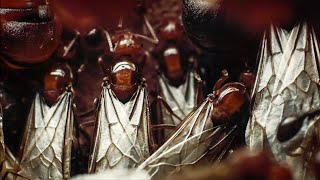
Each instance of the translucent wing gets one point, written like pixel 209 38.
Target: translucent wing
pixel 175 103
pixel 182 100
pixel 120 174
pixel 122 132
pixel 269 60
pixel 8 162
pixel 299 138
pixel 2 147
pixel 287 83
pixel 9 166
pixel 46 147
pixel 195 137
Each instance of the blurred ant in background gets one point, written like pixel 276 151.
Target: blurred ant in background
pixel 179 87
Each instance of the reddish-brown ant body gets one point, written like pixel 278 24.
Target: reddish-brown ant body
pixel 56 80
pixel 29 33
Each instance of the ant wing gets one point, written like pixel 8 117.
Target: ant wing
pixel 47 142
pixel 222 142
pixel 175 103
pixel 299 139
pixel 287 80
pixel 10 166
pixel 181 100
pixel 121 132
pixel 287 83
pixel 8 163
pixel 2 146
pixel 190 143
pixel 270 56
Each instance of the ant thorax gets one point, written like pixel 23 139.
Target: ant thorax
pixel 228 101
pixel 55 82
pixel 172 66
pixel 124 80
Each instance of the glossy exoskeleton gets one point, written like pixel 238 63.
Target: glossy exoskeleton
pixel 172 52
pixel 78 48
pixel 29 33
pixel 125 44
pixel 220 26
pixel 85 16
pixel 58 80
pixel 90 41
pixel 248 78
pixel 124 80
pixel 179 86
pixel 224 26
pixel 287 83
pixel 228 99
pixel 122 128
pixel 208 132
pixel 45 151
pixel 22 4
pixel 121 40
pixel 55 81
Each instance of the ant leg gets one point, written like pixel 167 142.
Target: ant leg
pixel 111 48
pixel 163 126
pixel 103 65
pixel 70 45
pixel 160 103
pixel 92 111
pixel 86 124
pixel 85 56
pixel 167 107
pixel 154 38
pixel 199 88
pixel 199 82
pixel 219 83
pixel 153 145
pixel 151 29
